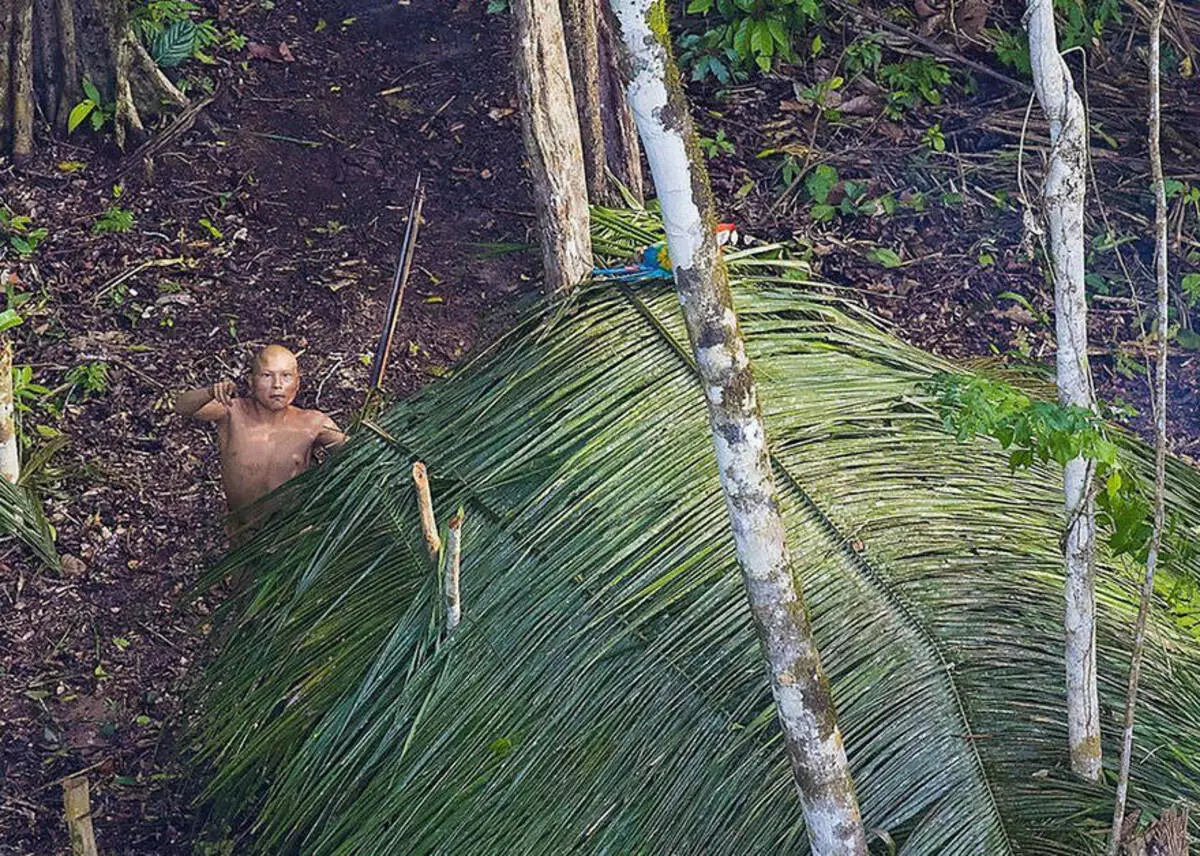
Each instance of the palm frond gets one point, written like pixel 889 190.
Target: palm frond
pixel 21 517
pixel 605 691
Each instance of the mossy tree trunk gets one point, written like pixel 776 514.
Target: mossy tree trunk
pixel 47 48
pixel 804 705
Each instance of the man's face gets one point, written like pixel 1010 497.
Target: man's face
pixel 275 379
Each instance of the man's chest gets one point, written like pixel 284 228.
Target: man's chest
pixel 268 446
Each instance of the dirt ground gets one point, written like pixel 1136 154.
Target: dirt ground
pixel 283 225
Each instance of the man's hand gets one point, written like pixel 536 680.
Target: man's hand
pixel 223 392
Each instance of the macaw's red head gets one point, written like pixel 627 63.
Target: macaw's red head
pixel 727 234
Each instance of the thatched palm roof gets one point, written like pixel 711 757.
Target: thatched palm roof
pixel 605 693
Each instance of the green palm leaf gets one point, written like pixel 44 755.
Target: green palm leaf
pixel 605 693
pixel 21 517
pixel 174 43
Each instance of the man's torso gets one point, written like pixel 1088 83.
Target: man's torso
pixel 259 456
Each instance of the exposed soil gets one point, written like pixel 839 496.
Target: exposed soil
pixel 284 225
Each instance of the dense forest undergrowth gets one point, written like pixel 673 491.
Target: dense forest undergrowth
pixel 891 163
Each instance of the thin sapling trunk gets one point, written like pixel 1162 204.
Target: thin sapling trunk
pixel 10 464
pixel 450 578
pixel 1159 400
pixel 1063 197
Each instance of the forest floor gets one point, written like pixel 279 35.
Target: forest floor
pixel 284 225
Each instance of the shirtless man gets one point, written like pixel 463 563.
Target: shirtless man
pixel 264 440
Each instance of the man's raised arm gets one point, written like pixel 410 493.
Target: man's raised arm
pixel 208 403
pixel 330 436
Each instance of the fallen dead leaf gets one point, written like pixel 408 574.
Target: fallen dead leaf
pixel 498 113
pixel 271 53
pixel 859 105
pixel 73 566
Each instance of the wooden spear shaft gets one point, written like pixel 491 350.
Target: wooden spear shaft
pixel 384 349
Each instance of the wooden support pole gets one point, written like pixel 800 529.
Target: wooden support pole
pixel 425 504
pixel 77 803
pixel 450 579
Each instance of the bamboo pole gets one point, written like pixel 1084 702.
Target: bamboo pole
pixel 77 802
pixel 10 464
pixel 450 580
pixel 425 504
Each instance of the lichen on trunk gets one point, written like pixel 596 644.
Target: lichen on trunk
pixel 804 704
pixel 1063 196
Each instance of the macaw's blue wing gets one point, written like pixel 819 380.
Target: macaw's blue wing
pixel 631 273
pixel 653 264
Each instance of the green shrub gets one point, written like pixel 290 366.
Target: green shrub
pixel 744 34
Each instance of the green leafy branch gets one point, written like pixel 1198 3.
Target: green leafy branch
pixel 1037 431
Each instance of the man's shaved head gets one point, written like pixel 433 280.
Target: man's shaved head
pixel 275 354
pixel 274 377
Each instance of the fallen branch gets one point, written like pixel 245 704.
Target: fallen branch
pixel 181 124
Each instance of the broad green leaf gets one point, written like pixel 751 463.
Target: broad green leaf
pixel 79 112
pixel 174 44
pixel 820 182
pixel 885 256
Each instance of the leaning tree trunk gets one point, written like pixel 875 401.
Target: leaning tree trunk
pixel 1064 193
pixel 803 702
pixel 50 46
pixel 551 132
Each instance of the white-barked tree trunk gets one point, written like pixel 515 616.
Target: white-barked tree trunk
pixel 802 696
pixel 1063 198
